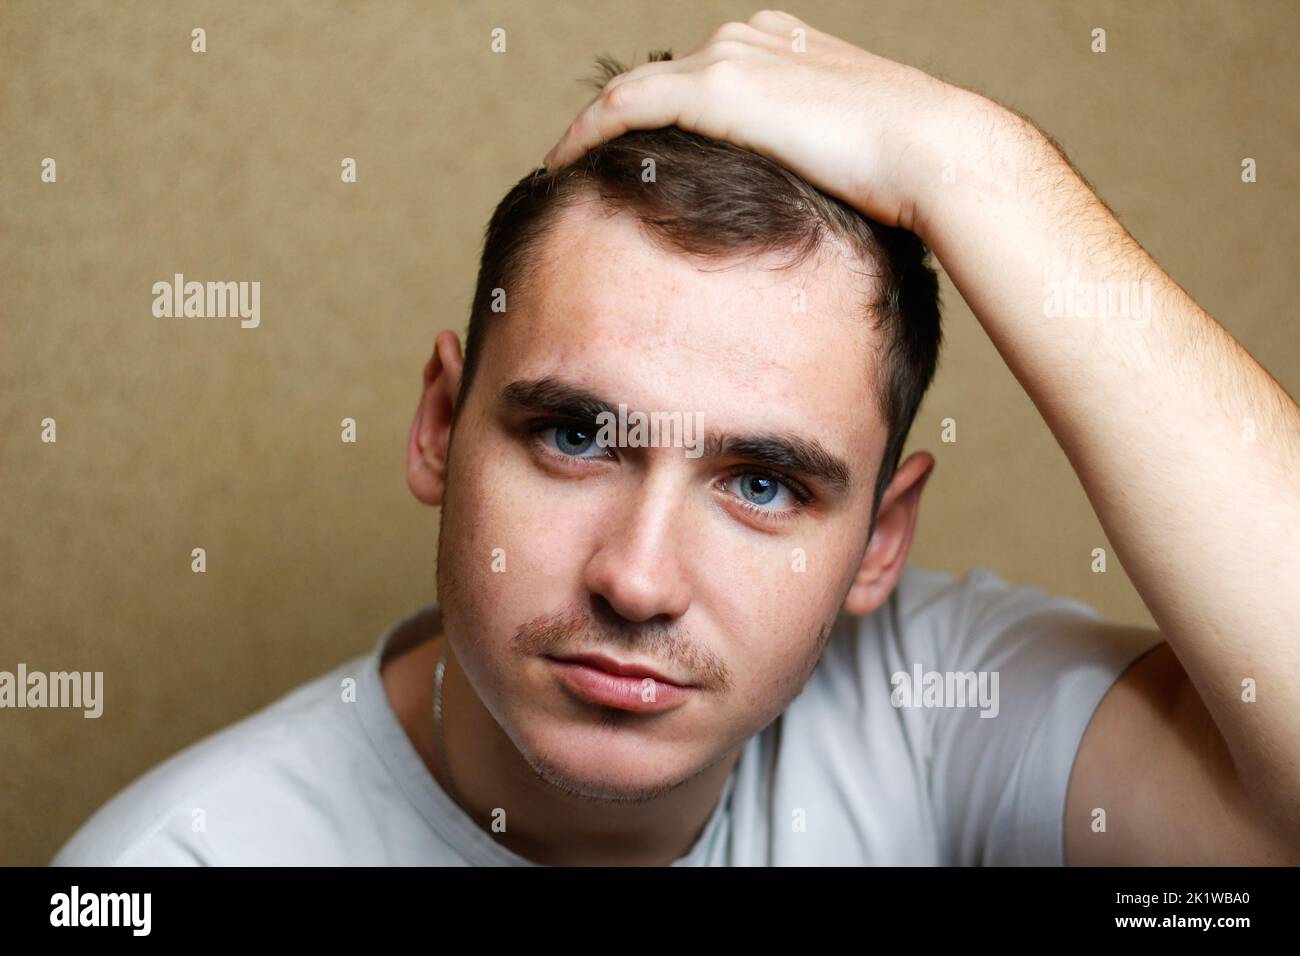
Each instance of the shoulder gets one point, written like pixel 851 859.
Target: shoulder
pixel 929 605
pixel 944 621
pixel 977 596
pixel 224 790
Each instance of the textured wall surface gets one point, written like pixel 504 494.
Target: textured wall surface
pixel 225 166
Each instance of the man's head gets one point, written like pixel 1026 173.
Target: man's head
pixel 671 273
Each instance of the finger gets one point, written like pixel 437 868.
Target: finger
pixel 651 68
pixel 740 32
pixel 711 50
pixel 649 102
pixel 646 69
pixel 729 40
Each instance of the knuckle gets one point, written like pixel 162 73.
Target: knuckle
pixel 617 96
pixel 720 73
pixel 728 31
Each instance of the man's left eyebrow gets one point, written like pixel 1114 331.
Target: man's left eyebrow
pixel 793 453
pixel 557 397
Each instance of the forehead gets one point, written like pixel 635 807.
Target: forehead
pixel 753 347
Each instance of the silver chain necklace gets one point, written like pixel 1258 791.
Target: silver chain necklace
pixel 437 723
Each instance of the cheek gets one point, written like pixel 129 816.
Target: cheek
pixel 781 667
pixel 511 537
pixel 779 620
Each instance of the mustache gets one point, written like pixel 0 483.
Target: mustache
pixel 574 630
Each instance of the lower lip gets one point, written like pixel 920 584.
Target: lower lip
pixel 619 690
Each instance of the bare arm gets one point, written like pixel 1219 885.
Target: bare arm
pixel 1187 448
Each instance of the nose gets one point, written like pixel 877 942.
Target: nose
pixel 637 565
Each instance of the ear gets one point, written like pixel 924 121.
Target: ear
pixel 426 447
pixel 892 539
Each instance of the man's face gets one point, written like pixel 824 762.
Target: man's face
pixel 710 569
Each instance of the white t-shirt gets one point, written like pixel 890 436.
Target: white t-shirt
pixel 843 776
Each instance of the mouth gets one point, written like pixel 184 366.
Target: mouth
pixel 602 680
pixel 610 666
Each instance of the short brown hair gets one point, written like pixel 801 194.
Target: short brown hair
pixel 713 199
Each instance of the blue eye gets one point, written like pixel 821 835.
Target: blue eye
pixel 576 440
pixel 757 488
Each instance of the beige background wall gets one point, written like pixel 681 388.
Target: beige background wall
pixel 225 165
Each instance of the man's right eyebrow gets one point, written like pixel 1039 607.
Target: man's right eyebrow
pixel 556 397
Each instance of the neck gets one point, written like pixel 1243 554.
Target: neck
pixel 543 824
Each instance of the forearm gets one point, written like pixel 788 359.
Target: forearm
pixel 1188 450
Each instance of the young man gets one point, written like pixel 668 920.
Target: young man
pixel 708 650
